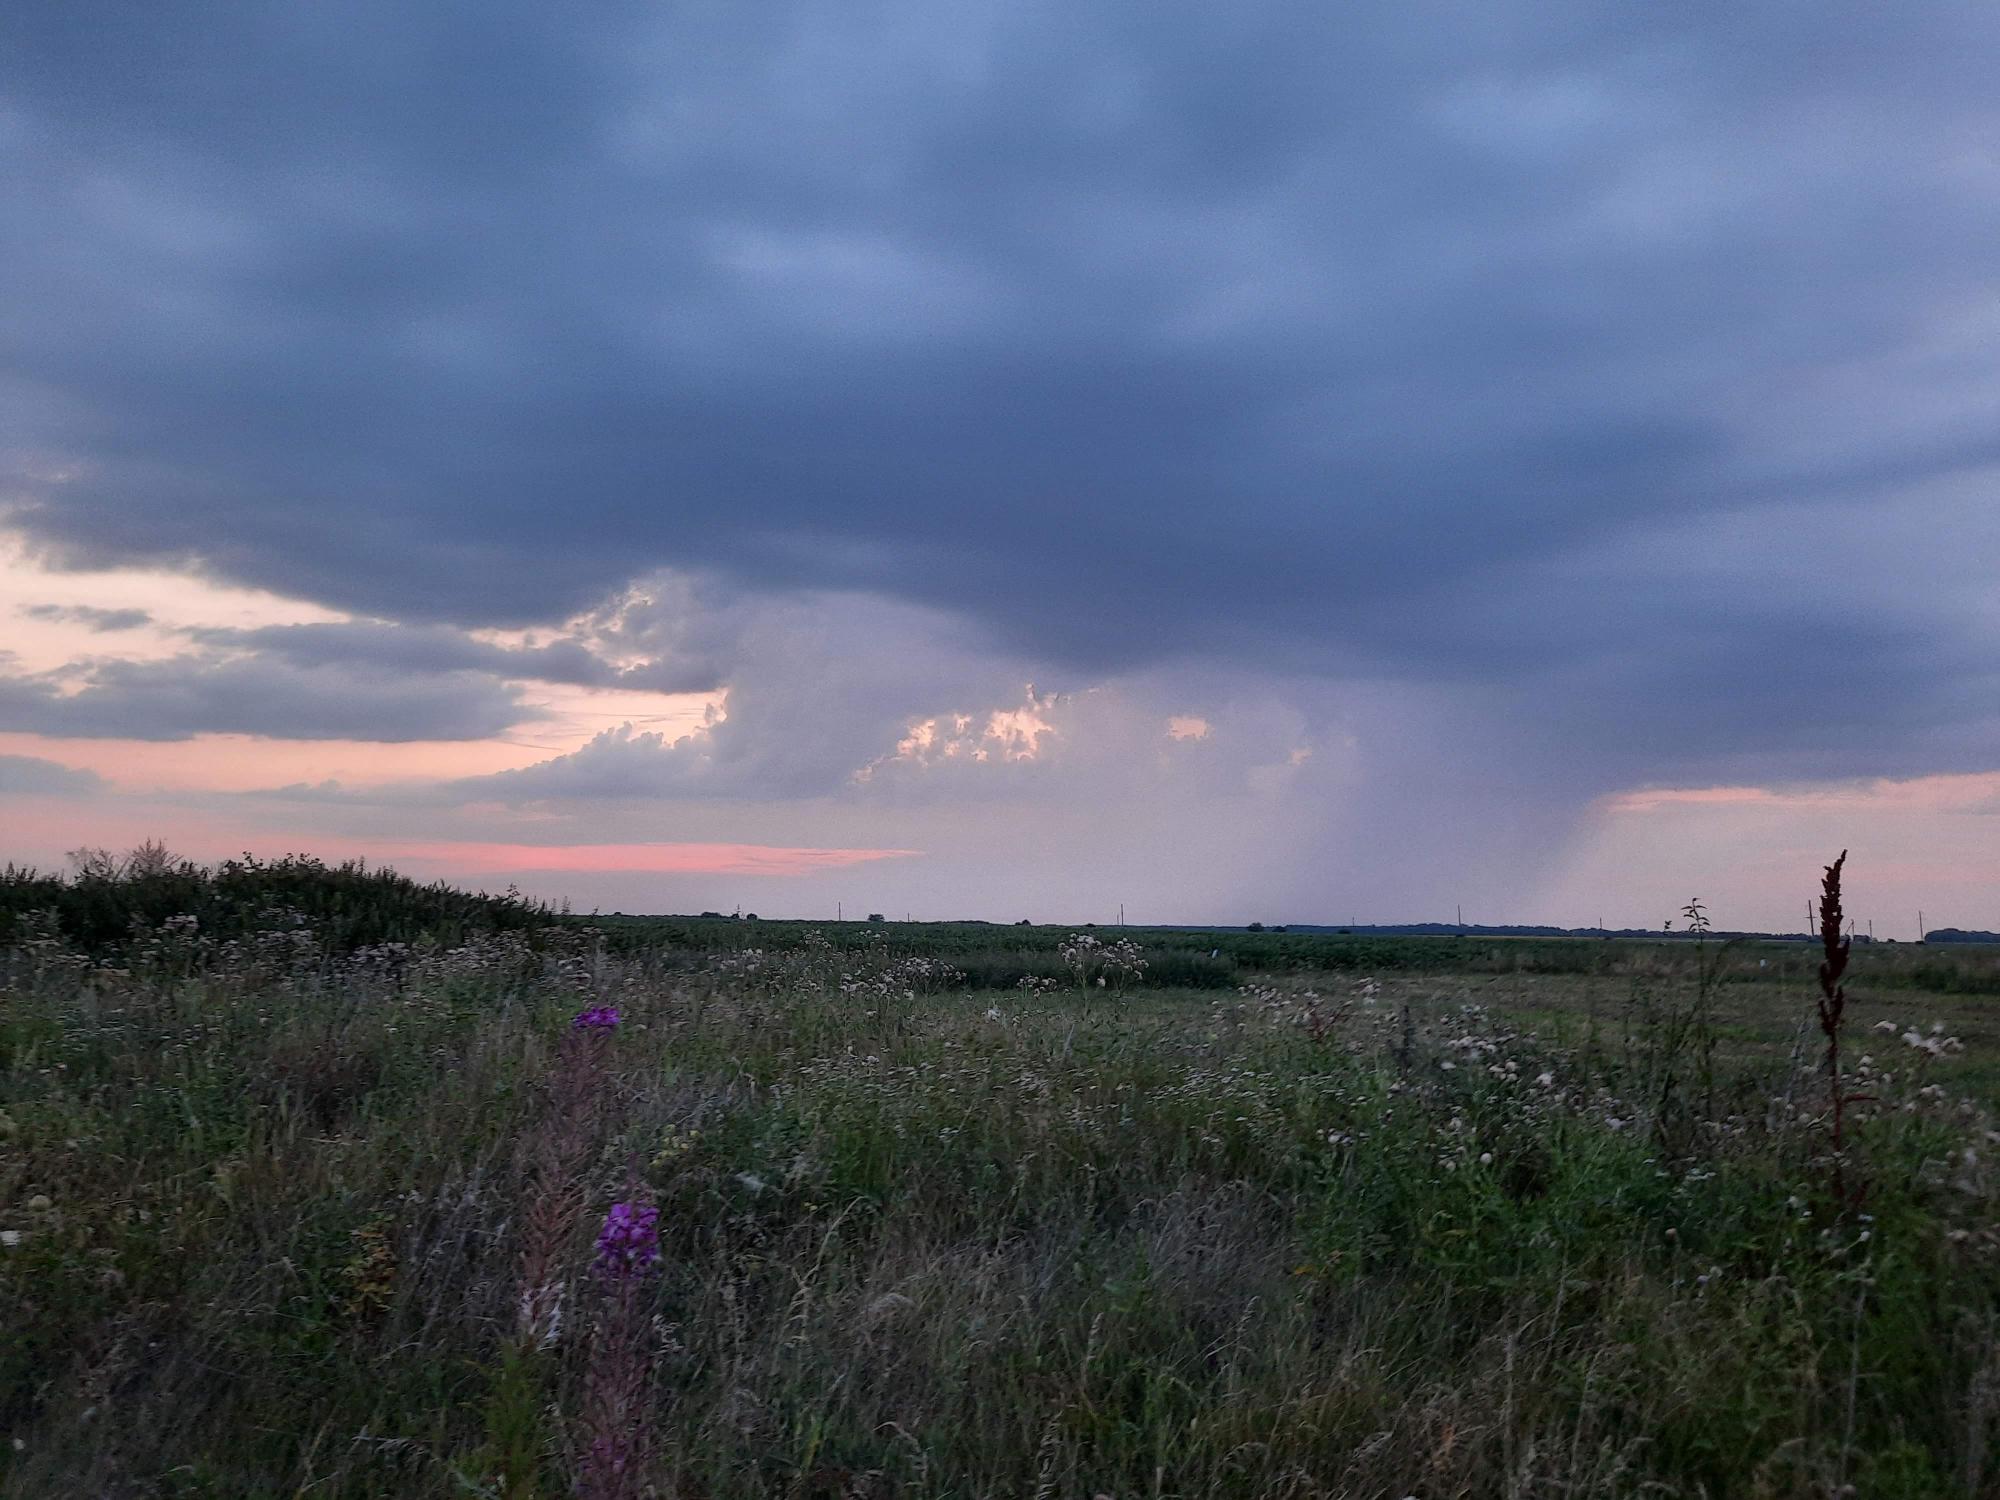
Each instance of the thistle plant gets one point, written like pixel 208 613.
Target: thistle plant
pixel 628 1245
pixel 618 1383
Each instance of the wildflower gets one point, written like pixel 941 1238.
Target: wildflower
pixel 629 1243
pixel 618 1378
pixel 41 1203
pixel 597 1018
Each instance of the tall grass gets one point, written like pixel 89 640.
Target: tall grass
pixel 271 1219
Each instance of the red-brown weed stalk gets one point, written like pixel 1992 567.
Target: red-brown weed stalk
pixel 1832 1014
pixel 554 1197
pixel 552 1204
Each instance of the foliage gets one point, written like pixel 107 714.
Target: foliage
pixel 279 1216
pixel 347 905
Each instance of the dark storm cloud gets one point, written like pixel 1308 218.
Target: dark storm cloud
pixel 89 616
pixel 432 649
pixel 190 695
pixel 30 775
pixel 1129 332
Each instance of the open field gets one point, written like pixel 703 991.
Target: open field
pixel 288 1213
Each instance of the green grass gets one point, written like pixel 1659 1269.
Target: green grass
pixel 924 1238
pixel 998 955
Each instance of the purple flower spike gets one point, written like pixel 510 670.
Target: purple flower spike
pixel 597 1018
pixel 629 1243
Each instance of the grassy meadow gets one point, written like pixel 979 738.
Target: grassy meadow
pixel 304 1178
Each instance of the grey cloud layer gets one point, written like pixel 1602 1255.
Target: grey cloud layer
pixel 30 775
pixel 1315 343
pixel 89 616
pixel 186 696
pixel 423 650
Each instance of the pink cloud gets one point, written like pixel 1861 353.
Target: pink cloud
pixel 38 831
pixel 1977 792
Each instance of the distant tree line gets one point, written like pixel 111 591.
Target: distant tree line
pixel 106 898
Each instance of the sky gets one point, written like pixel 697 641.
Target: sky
pixel 1292 463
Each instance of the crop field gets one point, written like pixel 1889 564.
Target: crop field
pixel 318 1183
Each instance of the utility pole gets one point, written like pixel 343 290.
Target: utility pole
pixel 1121 913
pixel 1920 924
pixel 839 912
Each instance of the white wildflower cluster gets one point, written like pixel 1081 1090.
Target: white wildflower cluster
pixel 40 956
pixel 1303 1008
pixel 486 956
pixel 1932 1043
pixel 581 973
pixel 900 979
pixel 816 964
pixel 174 949
pixel 1268 997
pixel 745 963
pixel 1105 965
